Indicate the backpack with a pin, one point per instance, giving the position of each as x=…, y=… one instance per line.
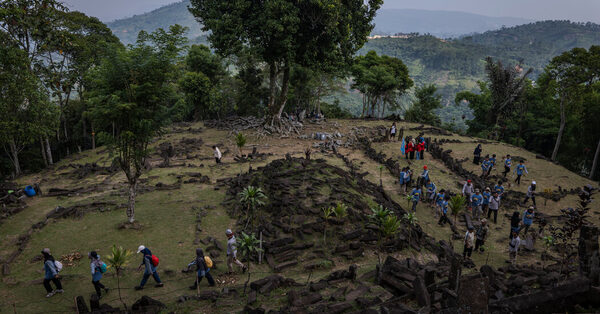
x=154, y=260
x=103, y=267
x=208, y=261
x=58, y=265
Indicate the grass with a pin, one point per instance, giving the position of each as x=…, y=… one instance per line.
x=169, y=218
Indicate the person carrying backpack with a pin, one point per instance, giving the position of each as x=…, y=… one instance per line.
x=416, y=196
x=98, y=268
x=513, y=247
x=51, y=269
x=232, y=252
x=507, y=165
x=481, y=235
x=493, y=207
x=203, y=264
x=528, y=219
x=530, y=193
x=519, y=171
x=407, y=174
x=150, y=262
x=468, y=242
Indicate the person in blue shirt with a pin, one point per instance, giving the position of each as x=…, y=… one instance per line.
x=498, y=188
x=425, y=174
x=407, y=173
x=416, y=196
x=530, y=193
x=439, y=200
x=476, y=201
x=507, y=165
x=444, y=216
x=528, y=219
x=431, y=189
x=485, y=166
x=96, y=268
x=492, y=164
x=486, y=200
x=149, y=268
x=519, y=170
x=401, y=178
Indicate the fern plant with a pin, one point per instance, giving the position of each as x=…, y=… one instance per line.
x=118, y=259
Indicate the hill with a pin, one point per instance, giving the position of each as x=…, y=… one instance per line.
x=388, y=21
x=191, y=202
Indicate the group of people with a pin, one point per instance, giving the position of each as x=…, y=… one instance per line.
x=489, y=163
x=202, y=263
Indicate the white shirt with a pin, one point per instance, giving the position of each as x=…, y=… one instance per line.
x=467, y=189
x=393, y=131
x=494, y=202
x=217, y=153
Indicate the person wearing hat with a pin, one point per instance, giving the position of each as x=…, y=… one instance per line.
x=519, y=170
x=425, y=174
x=467, y=191
x=96, y=267
x=476, y=201
x=494, y=206
x=51, y=274
x=486, y=200
x=469, y=239
x=481, y=235
x=149, y=268
x=530, y=193
x=528, y=219
x=232, y=252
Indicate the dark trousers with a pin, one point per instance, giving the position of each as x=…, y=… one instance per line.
x=211, y=281
x=476, y=159
x=98, y=286
x=218, y=160
x=414, y=207
x=146, y=276
x=411, y=155
x=478, y=244
x=443, y=220
x=467, y=251
x=495, y=214
x=527, y=198
x=56, y=282
x=506, y=171
x=518, y=179
x=525, y=229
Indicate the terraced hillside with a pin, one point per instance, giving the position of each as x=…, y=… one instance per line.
x=310, y=263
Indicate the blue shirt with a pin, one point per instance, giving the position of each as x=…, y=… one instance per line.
x=50, y=269
x=508, y=163
x=477, y=199
x=445, y=207
x=401, y=177
x=440, y=199
x=520, y=169
x=425, y=174
x=431, y=187
x=416, y=195
x=499, y=189
x=528, y=218
x=486, y=198
x=485, y=165
x=493, y=160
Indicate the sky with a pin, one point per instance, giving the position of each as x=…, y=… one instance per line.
x=575, y=10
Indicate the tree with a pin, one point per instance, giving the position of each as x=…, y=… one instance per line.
x=327, y=213
x=457, y=205
x=422, y=110
x=381, y=80
x=281, y=33
x=117, y=260
x=252, y=197
x=248, y=245
x=340, y=210
x=411, y=220
x=379, y=213
x=240, y=141
x=130, y=92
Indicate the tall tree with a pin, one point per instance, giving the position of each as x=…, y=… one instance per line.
x=422, y=110
x=317, y=34
x=131, y=90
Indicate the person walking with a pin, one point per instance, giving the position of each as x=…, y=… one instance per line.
x=494, y=206
x=519, y=170
x=431, y=190
x=467, y=191
x=407, y=175
x=393, y=132
x=217, y=154
x=485, y=166
x=439, y=200
x=468, y=242
x=507, y=165
x=513, y=247
x=444, y=217
x=416, y=196
x=149, y=268
x=401, y=178
x=498, y=188
x=477, y=154
x=515, y=224
x=476, y=201
x=486, y=200
x=98, y=268
x=232, y=252
x=51, y=274
x=425, y=175
x=530, y=193
x=203, y=264
x=492, y=164
x=481, y=235
x=528, y=219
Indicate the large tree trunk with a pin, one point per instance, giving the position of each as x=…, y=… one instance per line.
x=362, y=115
x=15, y=157
x=43, y=150
x=595, y=162
x=563, y=121
x=285, y=86
x=131, y=202
x=272, y=87
x=48, y=151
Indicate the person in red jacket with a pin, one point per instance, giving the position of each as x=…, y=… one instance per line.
x=410, y=149
x=420, y=150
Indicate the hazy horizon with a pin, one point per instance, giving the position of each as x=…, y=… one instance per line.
x=575, y=10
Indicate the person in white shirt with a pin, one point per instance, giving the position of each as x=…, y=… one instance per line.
x=393, y=132
x=217, y=154
x=467, y=191
x=469, y=240
x=513, y=247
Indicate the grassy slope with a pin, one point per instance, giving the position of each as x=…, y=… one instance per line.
x=168, y=219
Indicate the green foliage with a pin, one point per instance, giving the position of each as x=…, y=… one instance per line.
x=340, y=210
x=422, y=110
x=390, y=225
x=379, y=214
x=328, y=212
x=240, y=141
x=410, y=218
x=335, y=110
x=118, y=258
x=548, y=241
x=248, y=244
x=457, y=204
x=252, y=197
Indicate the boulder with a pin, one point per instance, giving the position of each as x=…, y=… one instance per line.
x=147, y=305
